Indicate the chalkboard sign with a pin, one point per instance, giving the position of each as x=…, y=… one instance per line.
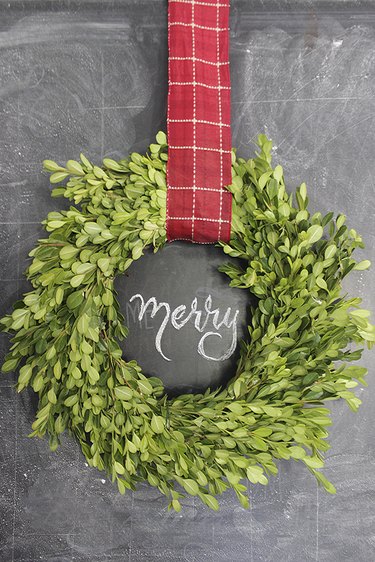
x=84, y=75
x=185, y=322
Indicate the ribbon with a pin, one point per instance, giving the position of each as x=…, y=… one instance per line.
x=199, y=208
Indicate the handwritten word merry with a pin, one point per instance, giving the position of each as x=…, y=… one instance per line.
x=206, y=322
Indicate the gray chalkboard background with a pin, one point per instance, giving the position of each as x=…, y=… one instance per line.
x=91, y=76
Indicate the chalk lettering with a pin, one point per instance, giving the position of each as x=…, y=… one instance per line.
x=202, y=319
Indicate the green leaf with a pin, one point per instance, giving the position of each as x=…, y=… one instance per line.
x=112, y=165
x=160, y=179
x=190, y=486
x=303, y=191
x=77, y=280
x=264, y=179
x=104, y=264
x=278, y=173
x=340, y=221
x=137, y=250
x=75, y=168
x=58, y=177
x=20, y=318
x=362, y=265
x=52, y=396
x=121, y=486
x=328, y=486
x=51, y=166
x=51, y=352
x=71, y=400
x=145, y=387
x=313, y=462
x=314, y=233
x=85, y=161
x=57, y=370
x=55, y=224
x=9, y=365
x=360, y=313
x=25, y=375
x=330, y=251
x=93, y=374
x=321, y=283
x=123, y=393
x=83, y=324
x=259, y=444
x=237, y=387
x=176, y=505
x=119, y=468
x=210, y=501
x=107, y=298
x=59, y=295
x=154, y=148
x=244, y=500
x=157, y=424
x=254, y=474
x=74, y=299
x=236, y=408
x=297, y=452
x=76, y=374
x=92, y=228
x=85, y=268
x=161, y=138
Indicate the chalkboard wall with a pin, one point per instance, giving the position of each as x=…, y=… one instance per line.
x=91, y=76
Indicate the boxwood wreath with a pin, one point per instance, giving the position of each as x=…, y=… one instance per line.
x=66, y=332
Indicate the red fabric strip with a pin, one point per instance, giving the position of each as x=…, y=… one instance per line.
x=199, y=208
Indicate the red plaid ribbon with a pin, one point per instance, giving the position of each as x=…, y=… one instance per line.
x=199, y=208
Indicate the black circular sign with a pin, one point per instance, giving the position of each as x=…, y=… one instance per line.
x=184, y=321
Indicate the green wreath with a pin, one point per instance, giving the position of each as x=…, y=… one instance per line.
x=67, y=331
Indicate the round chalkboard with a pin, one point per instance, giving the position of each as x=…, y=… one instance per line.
x=185, y=322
